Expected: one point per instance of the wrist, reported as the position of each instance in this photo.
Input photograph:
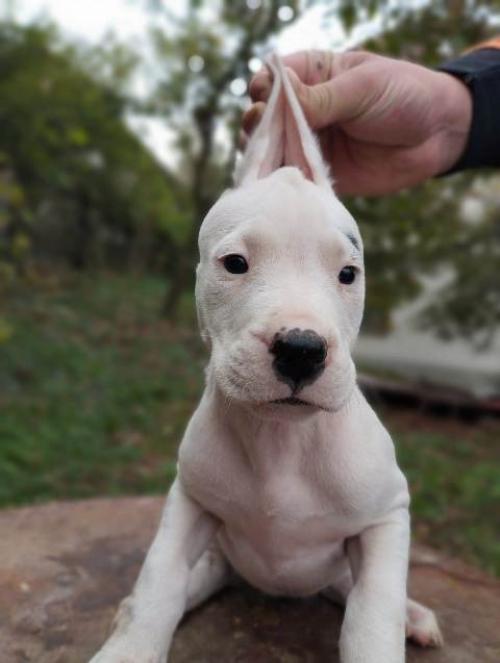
(456, 121)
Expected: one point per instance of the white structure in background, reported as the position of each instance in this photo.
(419, 355)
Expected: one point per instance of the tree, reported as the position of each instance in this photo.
(87, 181)
(14, 224)
(202, 53)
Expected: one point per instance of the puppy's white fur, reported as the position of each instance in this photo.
(297, 499)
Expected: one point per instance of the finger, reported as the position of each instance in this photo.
(316, 66)
(340, 99)
(312, 66)
(252, 117)
(242, 141)
(260, 85)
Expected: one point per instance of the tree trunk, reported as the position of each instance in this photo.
(183, 274)
(201, 193)
(182, 280)
(80, 258)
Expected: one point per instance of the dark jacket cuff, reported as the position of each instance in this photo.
(480, 72)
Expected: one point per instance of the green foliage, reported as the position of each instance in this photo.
(470, 305)
(88, 182)
(454, 479)
(437, 30)
(15, 221)
(407, 235)
(94, 390)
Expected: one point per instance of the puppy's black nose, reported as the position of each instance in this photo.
(299, 357)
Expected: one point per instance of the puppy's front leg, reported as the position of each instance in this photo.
(374, 624)
(148, 617)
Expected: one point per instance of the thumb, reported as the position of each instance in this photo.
(339, 99)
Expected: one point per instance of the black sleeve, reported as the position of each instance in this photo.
(480, 72)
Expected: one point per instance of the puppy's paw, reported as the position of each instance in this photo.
(422, 626)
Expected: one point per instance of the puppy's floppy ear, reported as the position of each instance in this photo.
(283, 137)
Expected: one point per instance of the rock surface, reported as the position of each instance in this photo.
(65, 566)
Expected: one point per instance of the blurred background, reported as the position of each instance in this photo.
(118, 130)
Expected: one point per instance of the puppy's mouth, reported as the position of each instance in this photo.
(291, 400)
(298, 402)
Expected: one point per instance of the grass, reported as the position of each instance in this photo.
(454, 473)
(95, 391)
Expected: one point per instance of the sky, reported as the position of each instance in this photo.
(91, 20)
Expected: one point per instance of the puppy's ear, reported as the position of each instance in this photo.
(283, 137)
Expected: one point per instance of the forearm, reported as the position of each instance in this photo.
(374, 621)
(147, 619)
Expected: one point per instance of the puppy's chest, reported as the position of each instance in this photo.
(288, 512)
(282, 496)
(279, 502)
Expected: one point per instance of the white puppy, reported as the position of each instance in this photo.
(286, 476)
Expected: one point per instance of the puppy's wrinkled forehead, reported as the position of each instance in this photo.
(283, 206)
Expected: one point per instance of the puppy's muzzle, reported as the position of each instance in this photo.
(299, 357)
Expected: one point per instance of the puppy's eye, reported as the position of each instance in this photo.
(347, 275)
(235, 264)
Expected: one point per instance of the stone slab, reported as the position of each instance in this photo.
(64, 567)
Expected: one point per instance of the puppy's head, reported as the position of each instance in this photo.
(280, 284)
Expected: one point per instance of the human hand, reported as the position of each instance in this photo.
(383, 124)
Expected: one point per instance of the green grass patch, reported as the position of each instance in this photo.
(95, 392)
(454, 473)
